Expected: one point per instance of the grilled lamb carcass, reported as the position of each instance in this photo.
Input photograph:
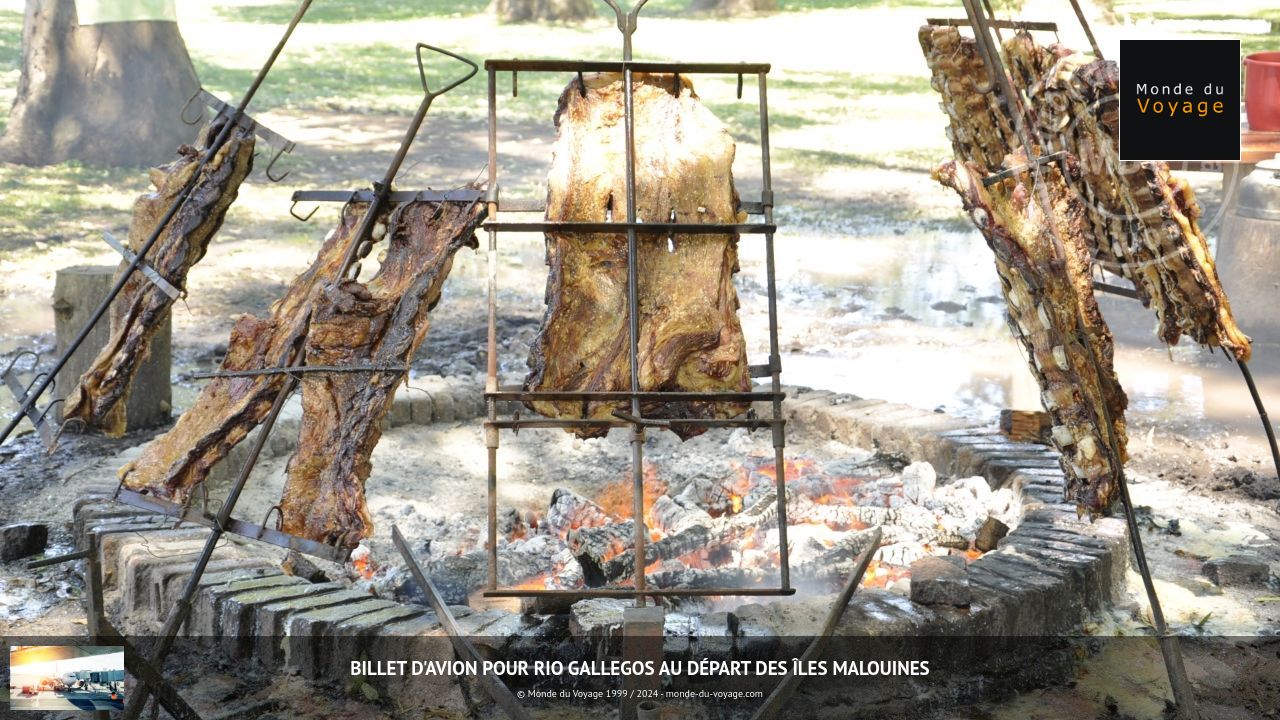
(1054, 315)
(100, 398)
(690, 338)
(228, 408)
(381, 323)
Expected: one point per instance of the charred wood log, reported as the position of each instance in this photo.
(690, 337)
(839, 560)
(671, 516)
(381, 322)
(703, 578)
(100, 399)
(570, 511)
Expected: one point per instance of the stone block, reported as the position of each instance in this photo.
(22, 540)
(401, 410)
(206, 611)
(239, 619)
(1237, 569)
(271, 621)
(307, 631)
(990, 534)
(940, 581)
(421, 406)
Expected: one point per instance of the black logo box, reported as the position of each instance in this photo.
(1194, 65)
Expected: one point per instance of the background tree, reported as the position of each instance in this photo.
(543, 10)
(730, 7)
(108, 94)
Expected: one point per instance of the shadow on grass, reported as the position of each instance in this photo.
(351, 11)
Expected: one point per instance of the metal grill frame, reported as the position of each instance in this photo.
(494, 394)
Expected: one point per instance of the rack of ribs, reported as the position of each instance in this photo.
(229, 407)
(1144, 219)
(1054, 316)
(690, 337)
(100, 398)
(380, 323)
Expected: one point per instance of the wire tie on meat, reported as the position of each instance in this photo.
(279, 520)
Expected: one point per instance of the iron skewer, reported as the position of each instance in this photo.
(178, 202)
(1184, 697)
(182, 608)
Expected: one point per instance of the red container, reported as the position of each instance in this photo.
(1262, 91)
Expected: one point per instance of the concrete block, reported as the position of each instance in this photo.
(271, 621)
(206, 611)
(401, 412)
(239, 613)
(1237, 570)
(421, 407)
(304, 646)
(22, 540)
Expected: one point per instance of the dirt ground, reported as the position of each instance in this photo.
(884, 292)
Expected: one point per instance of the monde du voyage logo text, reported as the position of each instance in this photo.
(1180, 100)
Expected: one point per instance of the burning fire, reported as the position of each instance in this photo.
(735, 516)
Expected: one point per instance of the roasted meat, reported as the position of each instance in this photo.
(379, 323)
(690, 338)
(230, 407)
(1143, 218)
(100, 398)
(1044, 266)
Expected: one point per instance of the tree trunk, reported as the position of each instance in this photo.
(542, 10)
(107, 94)
(732, 7)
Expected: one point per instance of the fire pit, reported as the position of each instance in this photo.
(1045, 577)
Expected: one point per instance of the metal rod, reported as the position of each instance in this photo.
(182, 608)
(492, 683)
(1088, 32)
(243, 528)
(666, 228)
(522, 395)
(1007, 24)
(1262, 415)
(531, 205)
(1183, 695)
(633, 324)
(1116, 290)
(613, 66)
(69, 557)
(648, 592)
(775, 355)
(464, 196)
(519, 424)
(296, 369)
(785, 689)
(178, 202)
(491, 338)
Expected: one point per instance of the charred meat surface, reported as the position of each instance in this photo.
(1144, 219)
(379, 323)
(99, 399)
(228, 408)
(1054, 315)
(690, 337)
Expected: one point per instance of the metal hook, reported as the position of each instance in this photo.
(47, 408)
(626, 24)
(279, 520)
(739, 86)
(515, 92)
(187, 106)
(422, 69)
(582, 85)
(26, 392)
(284, 149)
(17, 357)
(294, 212)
